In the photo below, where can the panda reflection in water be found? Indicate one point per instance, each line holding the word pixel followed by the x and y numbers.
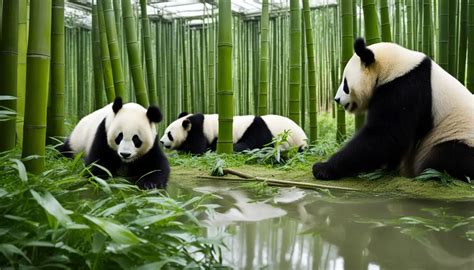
pixel 418 116
pixel 197 133
pixel 121 138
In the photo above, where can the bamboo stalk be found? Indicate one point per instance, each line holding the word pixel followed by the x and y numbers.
pixel 443 40
pixel 37 79
pixel 8 71
pixel 272 182
pixel 105 55
pixel 133 50
pixel 225 95
pixel 115 56
pixel 21 75
pixel 385 18
pixel 56 118
pixel 264 59
pixel 313 123
pixel 427 37
pixel 97 61
pixel 462 47
pixel 470 54
pixel 150 71
pixel 295 60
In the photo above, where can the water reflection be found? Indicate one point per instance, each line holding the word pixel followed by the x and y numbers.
pixel 317 230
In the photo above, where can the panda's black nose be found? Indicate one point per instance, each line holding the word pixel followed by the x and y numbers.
pixel 162 142
pixel 337 100
pixel 125 155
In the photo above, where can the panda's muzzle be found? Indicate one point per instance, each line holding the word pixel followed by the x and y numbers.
pixel 124 155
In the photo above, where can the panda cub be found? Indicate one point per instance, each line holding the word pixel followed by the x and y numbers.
pixel 418 116
pixel 197 133
pixel 121 138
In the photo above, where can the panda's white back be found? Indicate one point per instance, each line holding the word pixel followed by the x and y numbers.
pixel 278 124
pixel 240 124
pixel 82 136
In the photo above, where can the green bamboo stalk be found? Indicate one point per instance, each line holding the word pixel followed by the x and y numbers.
pixel 21 82
pixel 225 106
pixel 462 47
pixel 56 118
pixel 398 19
pixel 370 22
pixel 427 38
pixel 133 49
pixel 211 67
pixel 385 18
pixel 443 39
pixel 105 55
pixel 452 60
pixel 409 7
pixel 37 79
pixel 372 36
pixel 1 16
pixel 470 54
pixel 80 105
pixel 115 58
pixel 8 71
pixel 150 71
pixel 119 27
pixel 346 54
pixel 264 59
pixel 97 61
pixel 313 124
pixel 295 60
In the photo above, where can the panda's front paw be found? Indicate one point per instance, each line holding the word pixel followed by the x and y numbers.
pixel 324 171
pixel 150 183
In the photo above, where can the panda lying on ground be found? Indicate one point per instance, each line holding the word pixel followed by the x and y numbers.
pixel 121 138
pixel 418 116
pixel 197 133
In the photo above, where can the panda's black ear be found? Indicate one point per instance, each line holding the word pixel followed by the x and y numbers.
pixel 117 105
pixel 366 55
pixel 154 114
pixel 182 114
pixel 187 124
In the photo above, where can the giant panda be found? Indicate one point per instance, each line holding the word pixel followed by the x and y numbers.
pixel 418 116
pixel 121 138
pixel 197 133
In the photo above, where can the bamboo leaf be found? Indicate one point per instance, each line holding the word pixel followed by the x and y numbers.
pixel 52 206
pixel 119 233
pixel 21 170
pixel 8 250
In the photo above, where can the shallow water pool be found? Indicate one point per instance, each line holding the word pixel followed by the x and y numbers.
pixel 306 229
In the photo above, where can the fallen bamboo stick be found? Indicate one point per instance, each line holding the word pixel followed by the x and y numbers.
pixel 273 182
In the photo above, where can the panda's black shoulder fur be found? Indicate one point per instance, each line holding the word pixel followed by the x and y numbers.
pixel 399 115
pixel 151 170
pixel 196 142
pixel 255 136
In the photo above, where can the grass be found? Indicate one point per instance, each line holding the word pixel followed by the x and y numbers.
pixel 296 166
pixel 60 219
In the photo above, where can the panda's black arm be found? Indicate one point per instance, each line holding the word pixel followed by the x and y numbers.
pixel 374 147
pixel 152 169
pixel 101 154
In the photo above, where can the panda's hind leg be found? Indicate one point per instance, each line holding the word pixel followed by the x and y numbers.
pixel 453 157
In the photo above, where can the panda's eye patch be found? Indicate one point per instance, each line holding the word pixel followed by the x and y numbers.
pixel 119 138
pixel 345 88
pixel 136 141
pixel 169 136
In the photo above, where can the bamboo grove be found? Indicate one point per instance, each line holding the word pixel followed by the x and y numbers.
pixel 284 61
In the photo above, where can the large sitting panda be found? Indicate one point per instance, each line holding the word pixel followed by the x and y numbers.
pixel 197 133
pixel 418 116
pixel 121 138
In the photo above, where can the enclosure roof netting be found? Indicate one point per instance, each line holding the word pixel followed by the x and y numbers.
pixel 173 9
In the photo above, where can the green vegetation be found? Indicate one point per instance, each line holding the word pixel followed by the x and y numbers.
pixel 61 219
